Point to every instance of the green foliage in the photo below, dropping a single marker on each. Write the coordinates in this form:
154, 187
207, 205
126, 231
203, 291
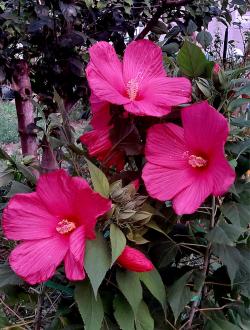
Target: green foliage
99, 180
118, 241
123, 313
8, 126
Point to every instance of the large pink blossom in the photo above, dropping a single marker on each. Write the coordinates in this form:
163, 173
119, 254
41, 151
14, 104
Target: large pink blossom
53, 225
188, 164
98, 140
139, 82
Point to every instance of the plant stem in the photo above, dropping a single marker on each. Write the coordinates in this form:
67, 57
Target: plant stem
204, 270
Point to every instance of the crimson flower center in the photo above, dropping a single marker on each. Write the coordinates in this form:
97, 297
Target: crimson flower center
65, 226
132, 89
196, 161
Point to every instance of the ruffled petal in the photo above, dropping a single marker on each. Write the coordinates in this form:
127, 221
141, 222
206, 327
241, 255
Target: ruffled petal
36, 261
104, 73
165, 145
26, 218
88, 205
188, 200
134, 260
73, 260
55, 192
205, 129
164, 183
142, 61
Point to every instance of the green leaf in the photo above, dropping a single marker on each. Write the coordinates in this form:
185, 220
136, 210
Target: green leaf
230, 257
220, 324
6, 175
204, 38
130, 286
26, 172
144, 320
90, 308
8, 277
152, 280
240, 122
217, 235
236, 104
97, 261
169, 253
99, 179
238, 214
123, 313
191, 60
17, 188
179, 295
118, 242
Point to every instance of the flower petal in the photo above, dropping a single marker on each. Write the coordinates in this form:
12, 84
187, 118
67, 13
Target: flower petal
104, 73
164, 183
94, 205
26, 218
100, 113
205, 129
142, 61
146, 108
73, 260
36, 261
165, 145
134, 260
188, 200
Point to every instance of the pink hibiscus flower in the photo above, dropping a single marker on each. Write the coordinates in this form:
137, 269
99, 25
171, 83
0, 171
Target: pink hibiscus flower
98, 140
139, 83
53, 225
188, 164
134, 260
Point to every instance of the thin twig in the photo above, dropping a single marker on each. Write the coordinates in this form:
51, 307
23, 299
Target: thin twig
38, 318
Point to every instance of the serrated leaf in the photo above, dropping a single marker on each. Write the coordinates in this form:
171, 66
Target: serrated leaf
130, 286
179, 295
118, 242
90, 308
238, 214
99, 179
230, 257
8, 277
191, 60
123, 313
97, 261
152, 280
144, 320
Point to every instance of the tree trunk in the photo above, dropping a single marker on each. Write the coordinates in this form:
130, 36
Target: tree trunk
24, 108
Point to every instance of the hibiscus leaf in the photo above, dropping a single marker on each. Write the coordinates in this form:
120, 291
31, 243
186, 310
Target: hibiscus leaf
97, 261
129, 284
238, 214
144, 320
179, 295
123, 313
118, 242
8, 277
191, 60
90, 307
99, 179
152, 280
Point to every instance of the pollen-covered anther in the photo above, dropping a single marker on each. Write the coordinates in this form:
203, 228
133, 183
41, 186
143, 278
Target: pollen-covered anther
196, 161
65, 226
132, 89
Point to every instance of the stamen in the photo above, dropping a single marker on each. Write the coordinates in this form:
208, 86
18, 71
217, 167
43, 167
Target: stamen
132, 89
196, 161
65, 226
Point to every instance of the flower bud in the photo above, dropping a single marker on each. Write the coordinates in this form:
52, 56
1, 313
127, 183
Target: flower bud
134, 260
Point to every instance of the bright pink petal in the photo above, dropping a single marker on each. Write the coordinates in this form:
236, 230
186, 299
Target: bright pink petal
36, 261
164, 183
165, 145
73, 260
205, 129
142, 61
100, 113
88, 205
55, 192
134, 260
104, 73
188, 200
26, 218
145, 108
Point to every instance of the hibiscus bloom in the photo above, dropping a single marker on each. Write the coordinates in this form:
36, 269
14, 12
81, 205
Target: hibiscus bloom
188, 164
139, 83
53, 225
134, 260
98, 140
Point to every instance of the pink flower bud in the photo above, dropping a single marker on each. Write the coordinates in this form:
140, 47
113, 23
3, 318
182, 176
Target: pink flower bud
134, 260
216, 68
